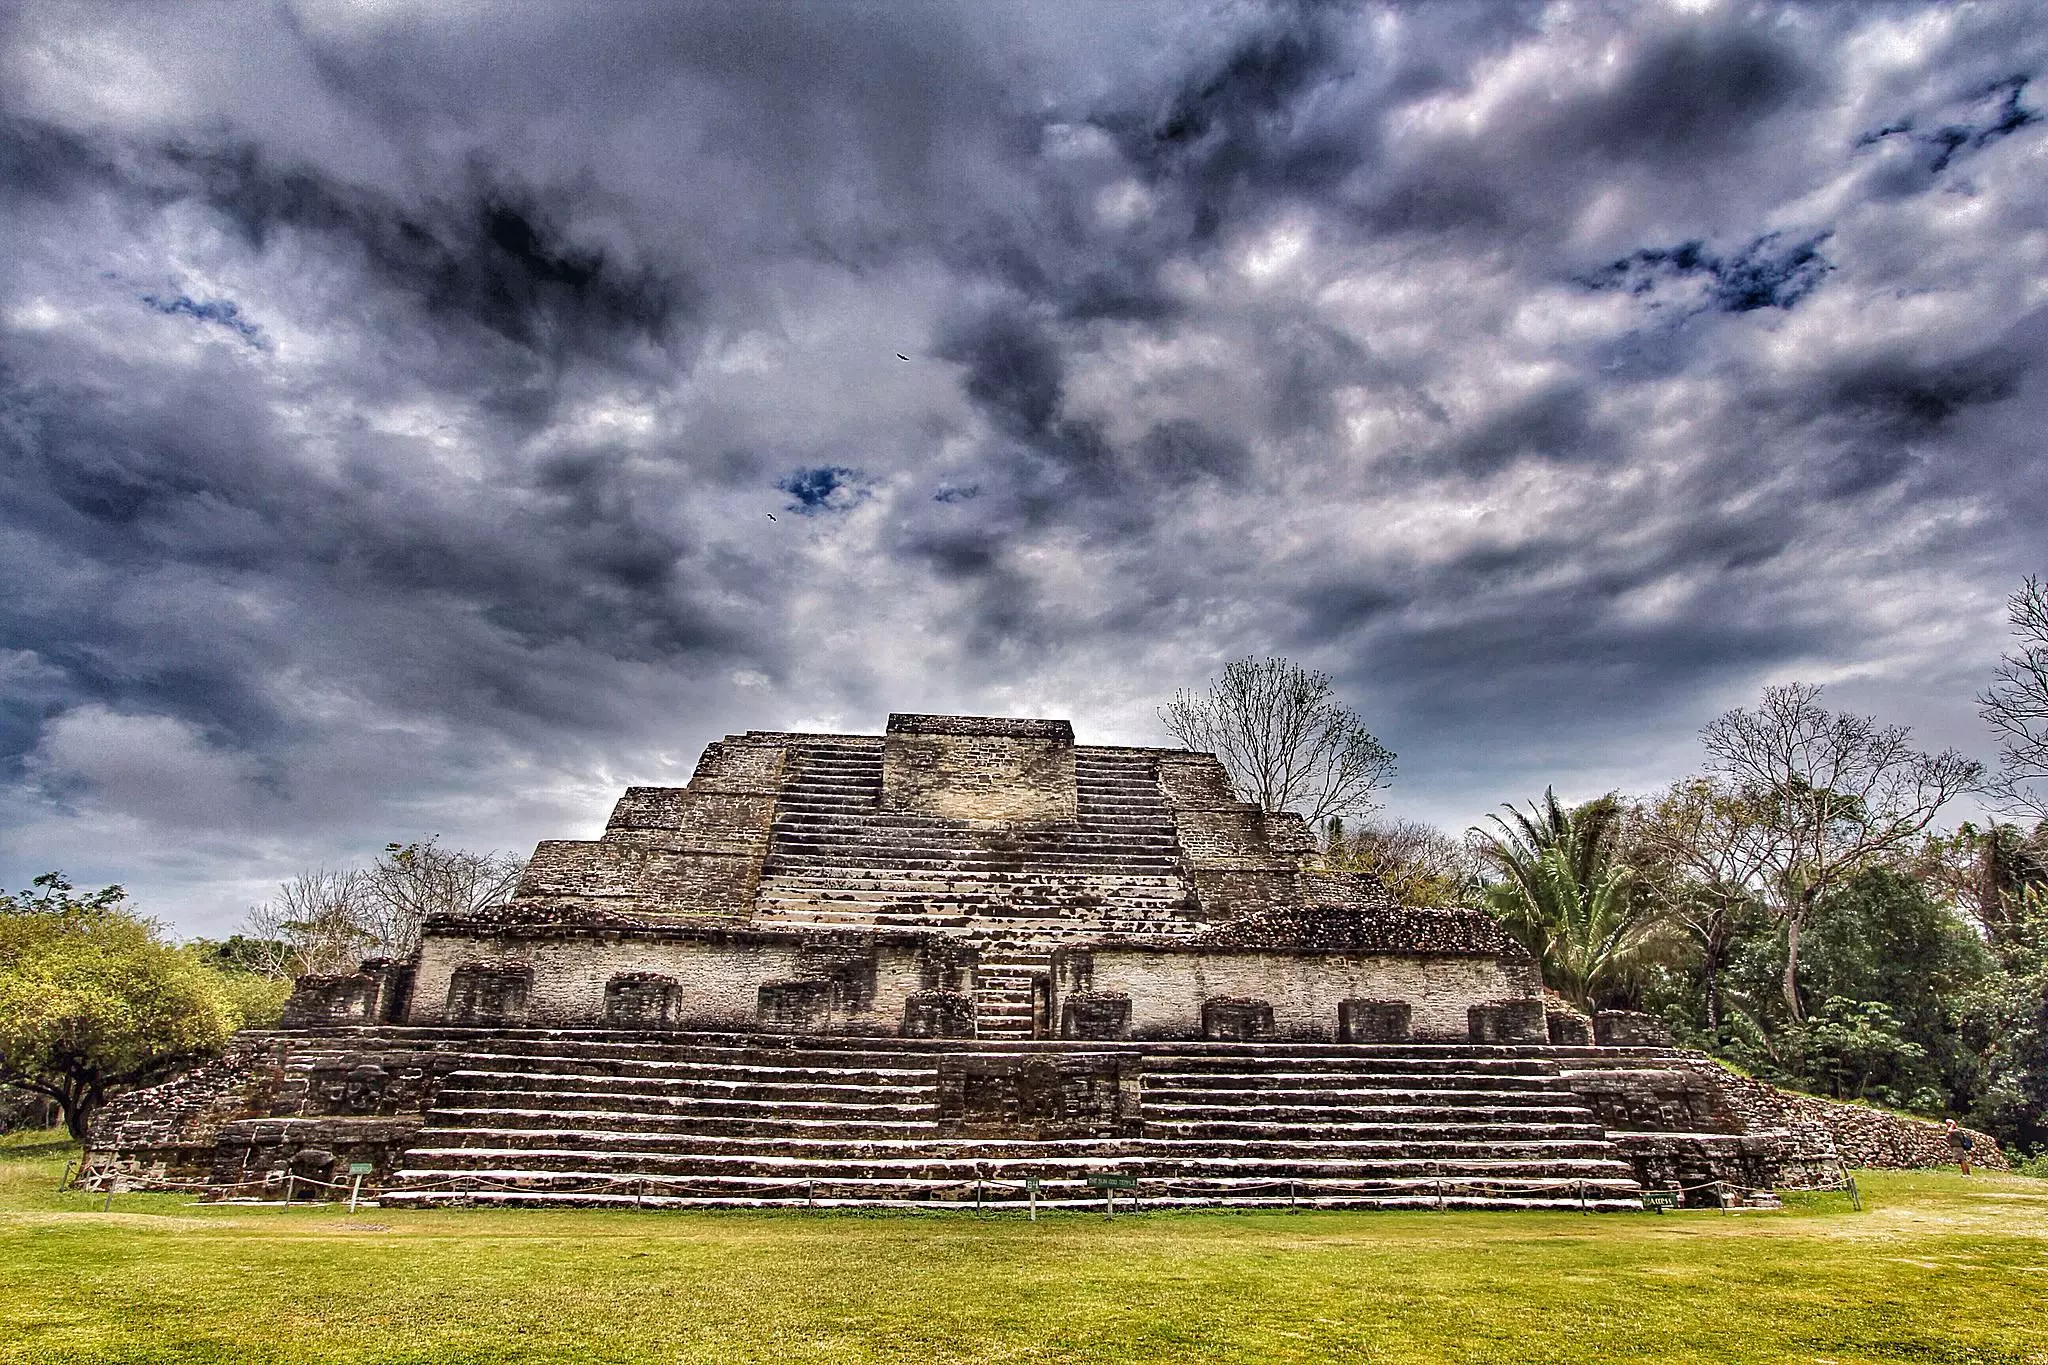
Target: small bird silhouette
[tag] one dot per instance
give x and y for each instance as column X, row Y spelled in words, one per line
column 901, row 356
column 771, row 516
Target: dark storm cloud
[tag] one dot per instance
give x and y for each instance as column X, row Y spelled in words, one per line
column 393, row 401
column 1701, row 89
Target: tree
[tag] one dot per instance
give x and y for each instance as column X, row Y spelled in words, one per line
column 1418, row 864
column 413, row 881
column 91, row 1000
column 1836, row 794
column 1565, row 896
column 1285, row 740
column 320, row 925
column 2016, row 707
column 1702, row 847
column 1988, row 874
column 324, row 922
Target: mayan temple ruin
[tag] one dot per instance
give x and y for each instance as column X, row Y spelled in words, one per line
column 967, row 960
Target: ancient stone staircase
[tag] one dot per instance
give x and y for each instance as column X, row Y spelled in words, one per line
column 1007, row 986
column 837, row 858
column 712, row 1120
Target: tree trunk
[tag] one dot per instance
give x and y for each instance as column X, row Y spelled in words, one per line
column 1792, row 965
column 77, row 1114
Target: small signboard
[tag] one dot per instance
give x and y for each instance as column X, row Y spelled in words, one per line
column 1112, row 1182
column 1031, row 1184
column 360, row 1168
column 1660, row 1200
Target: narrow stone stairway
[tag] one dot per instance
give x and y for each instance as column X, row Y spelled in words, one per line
column 1007, row 987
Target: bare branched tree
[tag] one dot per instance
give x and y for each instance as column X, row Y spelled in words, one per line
column 318, row 924
column 1836, row 794
column 2016, row 706
column 326, row 922
column 1285, row 740
column 412, row 881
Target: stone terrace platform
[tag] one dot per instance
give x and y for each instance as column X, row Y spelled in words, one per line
column 605, row 1118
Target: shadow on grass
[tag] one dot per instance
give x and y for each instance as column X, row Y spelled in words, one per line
column 41, row 1144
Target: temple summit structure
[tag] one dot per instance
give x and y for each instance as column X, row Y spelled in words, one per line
column 966, row 958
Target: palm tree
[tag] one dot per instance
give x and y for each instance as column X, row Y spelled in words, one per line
column 1565, row 895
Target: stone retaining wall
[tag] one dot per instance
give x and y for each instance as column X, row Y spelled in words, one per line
column 1866, row 1137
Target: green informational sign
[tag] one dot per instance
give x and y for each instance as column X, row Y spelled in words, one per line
column 1661, row 1200
column 1112, row 1182
column 1031, row 1184
column 360, row 1168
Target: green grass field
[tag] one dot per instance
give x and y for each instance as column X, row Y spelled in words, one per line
column 1937, row 1268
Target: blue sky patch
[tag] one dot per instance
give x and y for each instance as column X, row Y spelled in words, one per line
column 220, row 312
column 827, row 488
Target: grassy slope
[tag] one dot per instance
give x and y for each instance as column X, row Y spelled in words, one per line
column 1937, row 1269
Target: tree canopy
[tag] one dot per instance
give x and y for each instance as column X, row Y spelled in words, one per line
column 1286, row 741
column 93, row 1000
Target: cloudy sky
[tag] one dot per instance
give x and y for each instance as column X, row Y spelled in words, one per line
column 430, row 418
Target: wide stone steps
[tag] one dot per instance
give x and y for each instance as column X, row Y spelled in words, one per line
column 715, row 1120
column 647, row 1150
column 829, row 823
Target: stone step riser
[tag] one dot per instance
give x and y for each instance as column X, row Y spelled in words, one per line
column 451, row 1161
column 955, row 1147
column 565, row 1119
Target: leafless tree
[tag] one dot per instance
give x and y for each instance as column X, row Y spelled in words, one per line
column 318, row 924
column 1836, row 794
column 412, row 881
column 1285, row 740
column 2016, row 706
column 326, row 922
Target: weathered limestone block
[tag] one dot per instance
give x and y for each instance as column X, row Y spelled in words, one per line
column 1236, row 1019
column 261, row 1152
column 1710, row 1170
column 640, row 1000
column 1194, row 781
column 1374, row 1021
column 1672, row 1099
column 1040, row 1096
column 938, row 1014
column 1096, row 1014
column 1567, row 1026
column 1508, row 1021
column 979, row 769
column 489, row 993
column 375, row 993
column 1627, row 1028
column 795, row 1007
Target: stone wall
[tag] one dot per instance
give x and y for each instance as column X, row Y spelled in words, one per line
column 1867, row 1137
column 1167, row 989
column 693, row 850
column 979, row 768
column 273, row 1105
column 718, row 977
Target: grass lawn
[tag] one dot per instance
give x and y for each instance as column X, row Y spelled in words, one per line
column 1937, row 1268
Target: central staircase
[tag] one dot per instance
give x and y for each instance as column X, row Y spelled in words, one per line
column 837, row 858
column 722, row 1120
